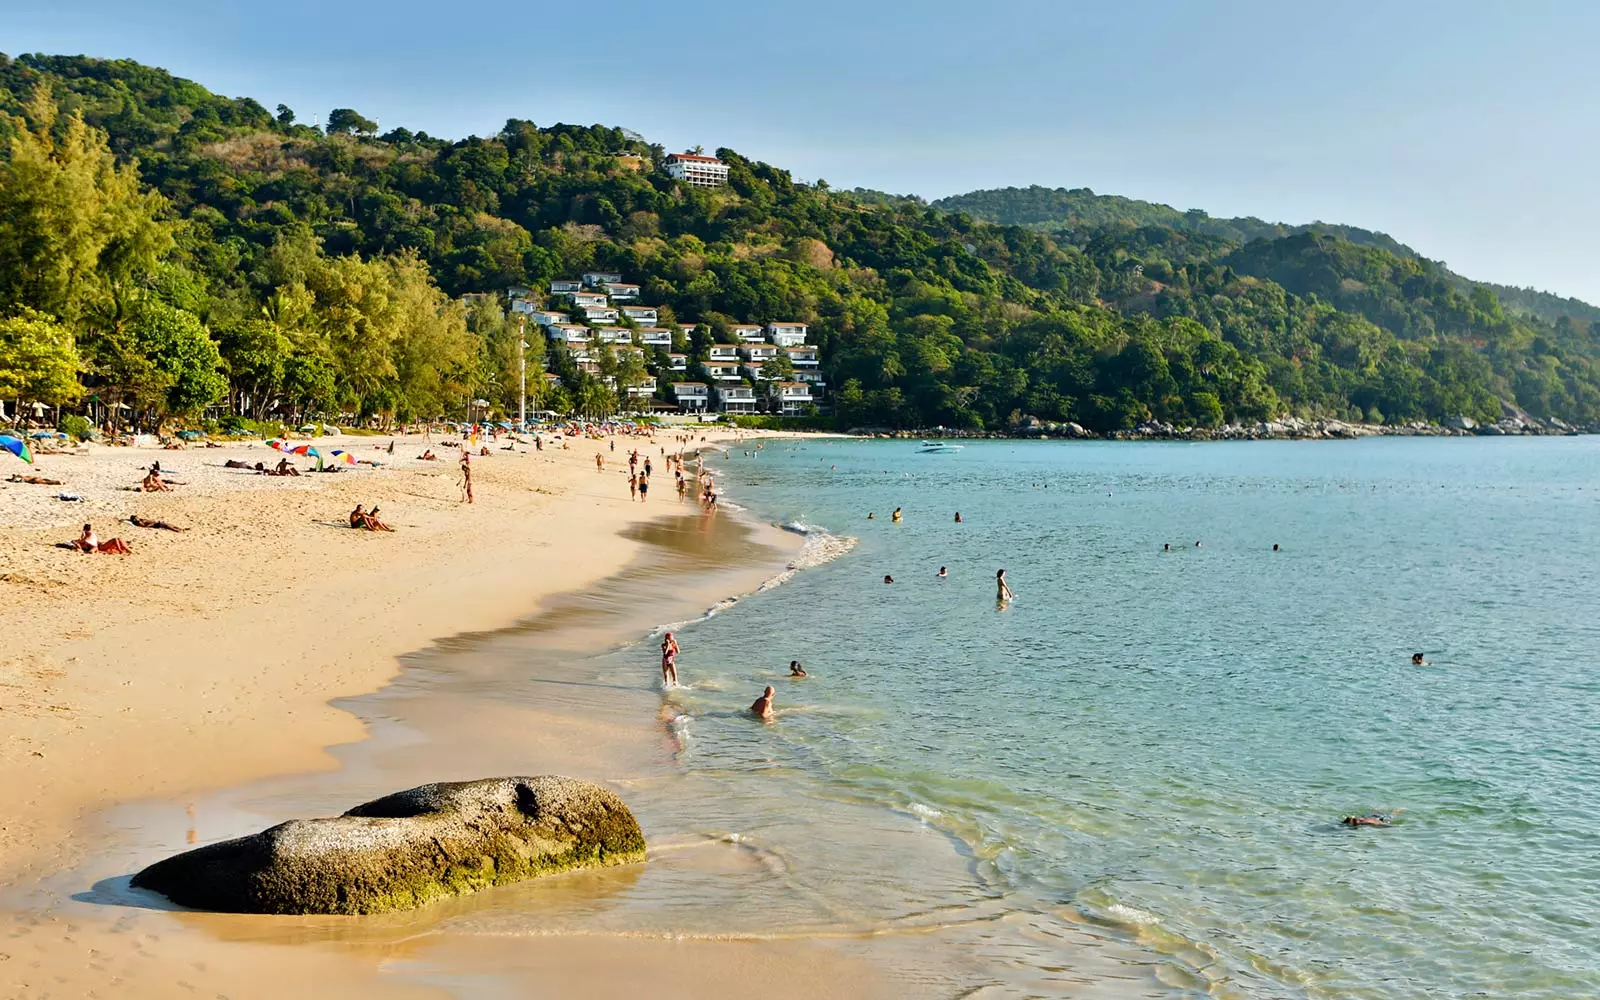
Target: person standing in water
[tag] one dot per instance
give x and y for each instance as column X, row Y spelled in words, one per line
column 669, row 661
column 942, row 573
column 795, row 669
column 762, row 706
column 1002, row 590
column 895, row 517
column 958, row 517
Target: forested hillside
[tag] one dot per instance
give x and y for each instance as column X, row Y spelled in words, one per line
column 171, row 248
column 1056, row 210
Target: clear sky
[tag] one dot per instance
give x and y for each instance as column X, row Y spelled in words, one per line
column 1466, row 129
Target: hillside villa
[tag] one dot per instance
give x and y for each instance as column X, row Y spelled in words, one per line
column 697, row 170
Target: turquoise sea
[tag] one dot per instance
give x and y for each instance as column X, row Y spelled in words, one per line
column 1148, row 752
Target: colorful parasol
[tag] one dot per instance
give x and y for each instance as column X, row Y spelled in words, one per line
column 17, row 447
column 339, row 455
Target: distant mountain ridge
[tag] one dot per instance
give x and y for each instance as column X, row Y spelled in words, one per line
column 1052, row 209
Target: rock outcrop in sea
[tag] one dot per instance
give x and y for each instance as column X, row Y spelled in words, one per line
column 408, row 849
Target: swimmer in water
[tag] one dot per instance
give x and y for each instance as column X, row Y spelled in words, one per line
column 1372, row 819
column 1274, row 546
column 1002, row 590
column 1418, row 661
column 887, row 578
column 762, row 706
column 795, row 669
column 1166, row 546
column 942, row 574
column 958, row 517
column 1197, row 545
column 895, row 517
column 871, row 516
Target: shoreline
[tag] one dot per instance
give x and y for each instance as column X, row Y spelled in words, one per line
column 213, row 658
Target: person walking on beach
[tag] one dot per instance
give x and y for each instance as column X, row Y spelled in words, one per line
column 762, row 706
column 599, row 462
column 644, row 487
column 466, row 474
column 682, row 487
column 669, row 661
column 647, row 470
column 1002, row 590
column 633, row 486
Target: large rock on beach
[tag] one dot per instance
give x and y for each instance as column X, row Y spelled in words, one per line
column 408, row 849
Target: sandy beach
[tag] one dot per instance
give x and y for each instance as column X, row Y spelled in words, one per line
column 208, row 658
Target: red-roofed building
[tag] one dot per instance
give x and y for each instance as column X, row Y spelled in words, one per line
column 700, row 171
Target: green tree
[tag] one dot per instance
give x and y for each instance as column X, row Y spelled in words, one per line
column 77, row 231
column 38, row 361
column 178, row 346
column 344, row 121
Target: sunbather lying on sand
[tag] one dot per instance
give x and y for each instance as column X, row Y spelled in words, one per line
column 234, row 463
column 145, row 522
column 35, row 481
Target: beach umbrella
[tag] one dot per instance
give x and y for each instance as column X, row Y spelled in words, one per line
column 17, row 447
column 305, row 449
column 340, row 455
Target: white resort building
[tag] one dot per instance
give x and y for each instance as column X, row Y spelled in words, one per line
column 737, row 398
column 724, row 371
column 692, row 397
column 793, row 397
column 700, row 171
column 787, row 334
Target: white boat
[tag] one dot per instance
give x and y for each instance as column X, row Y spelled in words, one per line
column 938, row 447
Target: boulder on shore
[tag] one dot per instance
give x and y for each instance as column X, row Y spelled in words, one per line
column 408, row 849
